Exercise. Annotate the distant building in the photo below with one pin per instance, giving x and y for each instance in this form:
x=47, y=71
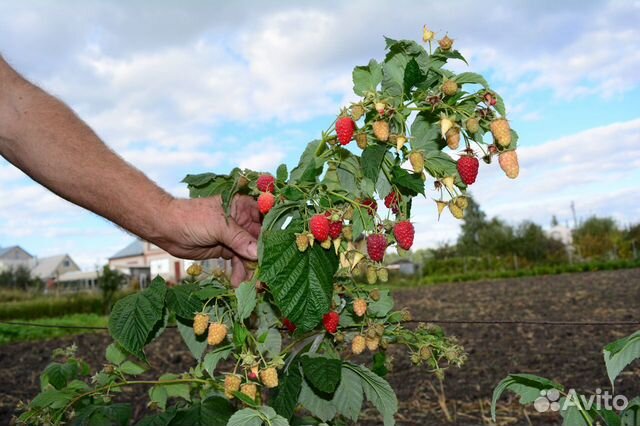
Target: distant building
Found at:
x=562, y=234
x=50, y=268
x=404, y=267
x=142, y=260
x=14, y=257
x=78, y=280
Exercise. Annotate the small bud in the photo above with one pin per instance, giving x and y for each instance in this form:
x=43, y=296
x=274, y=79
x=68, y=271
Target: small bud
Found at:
x=445, y=43
x=427, y=34
x=194, y=269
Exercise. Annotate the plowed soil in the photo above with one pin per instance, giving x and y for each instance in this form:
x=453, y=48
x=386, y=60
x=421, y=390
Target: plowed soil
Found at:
x=570, y=355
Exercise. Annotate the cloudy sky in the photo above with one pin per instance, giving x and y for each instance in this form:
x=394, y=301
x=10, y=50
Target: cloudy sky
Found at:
x=188, y=87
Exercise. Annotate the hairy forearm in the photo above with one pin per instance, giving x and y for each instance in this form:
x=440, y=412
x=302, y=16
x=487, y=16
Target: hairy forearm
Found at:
x=46, y=140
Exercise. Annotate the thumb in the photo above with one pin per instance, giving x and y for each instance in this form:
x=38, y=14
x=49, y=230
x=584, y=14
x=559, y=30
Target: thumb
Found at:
x=239, y=240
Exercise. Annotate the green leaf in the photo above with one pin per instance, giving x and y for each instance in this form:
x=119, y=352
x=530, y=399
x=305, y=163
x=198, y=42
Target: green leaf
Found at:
x=183, y=301
x=160, y=419
x=410, y=184
x=52, y=398
x=393, y=76
x=58, y=375
x=318, y=406
x=288, y=391
x=134, y=318
x=367, y=78
x=307, y=169
x=380, y=364
x=213, y=411
x=349, y=396
x=130, y=367
x=381, y=307
x=246, y=296
x=272, y=344
x=321, y=372
x=378, y=391
x=301, y=283
x=500, y=105
x=104, y=415
x=361, y=220
x=425, y=133
x=371, y=160
x=412, y=76
x=526, y=386
x=631, y=415
x=246, y=417
x=572, y=416
x=282, y=173
x=196, y=344
x=472, y=78
x=212, y=358
x=239, y=334
x=619, y=354
x=115, y=354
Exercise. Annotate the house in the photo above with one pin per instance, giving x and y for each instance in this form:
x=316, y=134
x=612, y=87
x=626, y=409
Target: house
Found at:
x=49, y=269
x=78, y=280
x=404, y=267
x=142, y=261
x=14, y=257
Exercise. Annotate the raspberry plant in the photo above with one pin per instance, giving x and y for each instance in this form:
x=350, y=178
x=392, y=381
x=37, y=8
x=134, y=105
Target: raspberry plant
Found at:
x=277, y=350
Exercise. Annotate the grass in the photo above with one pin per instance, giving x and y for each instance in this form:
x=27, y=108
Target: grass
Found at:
x=529, y=272
x=23, y=333
x=55, y=306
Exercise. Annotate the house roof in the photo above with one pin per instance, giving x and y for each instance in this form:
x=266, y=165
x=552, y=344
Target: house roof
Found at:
x=136, y=248
x=78, y=276
x=46, y=266
x=4, y=250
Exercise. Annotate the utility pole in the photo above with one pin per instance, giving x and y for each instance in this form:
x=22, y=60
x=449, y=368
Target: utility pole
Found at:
x=573, y=212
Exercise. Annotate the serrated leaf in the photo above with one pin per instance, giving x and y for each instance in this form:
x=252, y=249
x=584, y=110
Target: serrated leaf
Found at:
x=196, y=344
x=134, y=318
x=378, y=391
x=247, y=297
x=471, y=78
x=371, y=160
x=183, y=301
x=631, y=415
x=115, y=355
x=393, y=70
x=408, y=183
x=58, y=375
x=381, y=307
x=246, y=417
x=367, y=78
x=301, y=283
x=349, y=396
x=307, y=169
x=52, y=398
x=412, y=76
x=212, y=358
x=526, y=386
x=103, y=415
x=321, y=372
x=160, y=419
x=272, y=344
x=288, y=391
x=130, y=367
x=619, y=354
x=318, y=406
x=213, y=411
x=282, y=173
x=425, y=133
x=500, y=105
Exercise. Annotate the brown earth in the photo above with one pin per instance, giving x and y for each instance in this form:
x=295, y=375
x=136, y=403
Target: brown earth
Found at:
x=570, y=355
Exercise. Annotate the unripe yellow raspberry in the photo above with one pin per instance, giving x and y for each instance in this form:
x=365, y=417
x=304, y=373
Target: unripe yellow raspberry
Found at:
x=217, y=333
x=416, y=159
x=501, y=131
x=231, y=385
x=302, y=242
x=381, y=130
x=372, y=343
x=200, y=323
x=250, y=390
x=194, y=269
x=269, y=377
x=360, y=307
x=372, y=276
x=450, y=88
x=383, y=275
x=358, y=345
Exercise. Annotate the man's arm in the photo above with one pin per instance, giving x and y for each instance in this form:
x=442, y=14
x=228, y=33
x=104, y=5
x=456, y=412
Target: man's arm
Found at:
x=46, y=140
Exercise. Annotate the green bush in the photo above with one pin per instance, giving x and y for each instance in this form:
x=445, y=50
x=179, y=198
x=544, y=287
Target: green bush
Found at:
x=54, y=306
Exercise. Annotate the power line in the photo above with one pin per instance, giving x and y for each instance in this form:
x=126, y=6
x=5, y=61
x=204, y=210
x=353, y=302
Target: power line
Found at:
x=434, y=321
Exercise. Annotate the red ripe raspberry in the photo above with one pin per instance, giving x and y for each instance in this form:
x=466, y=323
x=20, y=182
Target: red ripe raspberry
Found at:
x=319, y=227
x=266, y=201
x=376, y=246
x=291, y=327
x=391, y=201
x=335, y=229
x=370, y=205
x=345, y=127
x=266, y=183
x=331, y=321
x=468, y=168
x=404, y=233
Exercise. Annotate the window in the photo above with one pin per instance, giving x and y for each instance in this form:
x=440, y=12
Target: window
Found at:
x=66, y=263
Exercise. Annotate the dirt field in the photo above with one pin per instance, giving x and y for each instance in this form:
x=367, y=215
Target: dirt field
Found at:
x=567, y=354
